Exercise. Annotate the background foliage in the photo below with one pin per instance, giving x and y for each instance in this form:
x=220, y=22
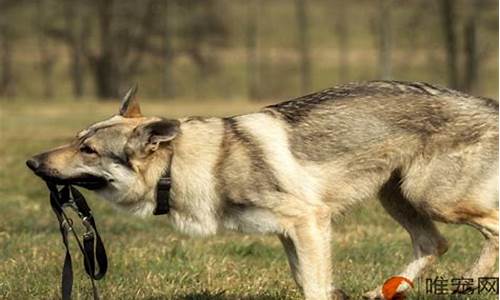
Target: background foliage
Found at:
x=229, y=49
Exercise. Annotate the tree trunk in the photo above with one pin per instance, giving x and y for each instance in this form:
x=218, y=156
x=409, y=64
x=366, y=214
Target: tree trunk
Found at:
x=77, y=67
x=341, y=30
x=385, y=39
x=305, y=60
x=448, y=23
x=106, y=76
x=167, y=78
x=251, y=43
x=471, y=55
x=47, y=57
x=77, y=26
x=6, y=73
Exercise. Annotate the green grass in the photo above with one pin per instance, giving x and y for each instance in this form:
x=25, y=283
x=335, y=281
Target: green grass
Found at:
x=148, y=260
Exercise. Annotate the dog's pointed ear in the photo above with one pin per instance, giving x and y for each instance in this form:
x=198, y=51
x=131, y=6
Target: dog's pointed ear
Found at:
x=130, y=106
x=158, y=132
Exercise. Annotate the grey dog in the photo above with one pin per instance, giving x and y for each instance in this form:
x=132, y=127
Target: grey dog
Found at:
x=426, y=152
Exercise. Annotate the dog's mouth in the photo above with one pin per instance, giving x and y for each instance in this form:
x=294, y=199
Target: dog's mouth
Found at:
x=87, y=181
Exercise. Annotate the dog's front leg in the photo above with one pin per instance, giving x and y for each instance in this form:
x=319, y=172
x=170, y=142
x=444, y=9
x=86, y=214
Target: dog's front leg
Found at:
x=308, y=246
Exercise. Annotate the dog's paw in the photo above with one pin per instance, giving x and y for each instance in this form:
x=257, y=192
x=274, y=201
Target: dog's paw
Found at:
x=375, y=294
x=338, y=294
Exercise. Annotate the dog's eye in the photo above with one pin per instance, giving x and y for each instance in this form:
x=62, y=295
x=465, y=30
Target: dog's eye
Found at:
x=87, y=149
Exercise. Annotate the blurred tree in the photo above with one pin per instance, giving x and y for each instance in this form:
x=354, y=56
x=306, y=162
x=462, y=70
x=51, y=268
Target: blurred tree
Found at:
x=303, y=46
x=47, y=55
x=251, y=44
x=448, y=19
x=201, y=33
x=123, y=33
x=341, y=30
x=77, y=24
x=164, y=29
x=470, y=47
x=385, y=39
x=414, y=34
x=168, y=51
x=74, y=32
x=104, y=60
x=180, y=45
x=7, y=37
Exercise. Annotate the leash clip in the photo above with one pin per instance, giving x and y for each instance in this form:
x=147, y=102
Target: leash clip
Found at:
x=71, y=204
x=89, y=232
x=67, y=225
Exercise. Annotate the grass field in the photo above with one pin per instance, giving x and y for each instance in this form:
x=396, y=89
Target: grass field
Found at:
x=148, y=260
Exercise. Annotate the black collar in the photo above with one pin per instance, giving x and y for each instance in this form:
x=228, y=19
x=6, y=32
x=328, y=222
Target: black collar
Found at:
x=163, y=192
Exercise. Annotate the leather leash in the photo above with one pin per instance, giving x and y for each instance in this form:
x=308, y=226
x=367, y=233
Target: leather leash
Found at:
x=92, y=247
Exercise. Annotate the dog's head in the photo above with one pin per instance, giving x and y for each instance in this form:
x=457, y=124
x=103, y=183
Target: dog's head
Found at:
x=121, y=158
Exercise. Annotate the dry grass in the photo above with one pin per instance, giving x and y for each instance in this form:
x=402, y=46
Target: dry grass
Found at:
x=147, y=259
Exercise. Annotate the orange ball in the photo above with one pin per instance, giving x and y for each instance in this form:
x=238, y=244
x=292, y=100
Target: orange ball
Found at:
x=391, y=285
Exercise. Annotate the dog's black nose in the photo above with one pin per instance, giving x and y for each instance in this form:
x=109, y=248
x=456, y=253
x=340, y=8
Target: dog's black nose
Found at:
x=33, y=164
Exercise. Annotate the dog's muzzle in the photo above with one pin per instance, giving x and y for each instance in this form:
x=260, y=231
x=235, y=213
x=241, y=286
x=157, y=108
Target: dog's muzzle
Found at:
x=92, y=182
x=85, y=180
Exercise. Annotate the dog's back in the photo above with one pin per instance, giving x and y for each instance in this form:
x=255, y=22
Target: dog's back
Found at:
x=442, y=143
x=350, y=118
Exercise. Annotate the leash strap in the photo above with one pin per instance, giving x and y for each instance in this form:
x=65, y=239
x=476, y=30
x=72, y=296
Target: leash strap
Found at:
x=69, y=196
x=67, y=271
x=90, y=238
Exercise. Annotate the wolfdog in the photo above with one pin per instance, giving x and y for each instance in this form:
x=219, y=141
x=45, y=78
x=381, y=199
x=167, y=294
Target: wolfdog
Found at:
x=426, y=152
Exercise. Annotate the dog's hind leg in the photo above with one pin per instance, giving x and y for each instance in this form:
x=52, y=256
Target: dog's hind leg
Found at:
x=462, y=189
x=488, y=226
x=428, y=243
